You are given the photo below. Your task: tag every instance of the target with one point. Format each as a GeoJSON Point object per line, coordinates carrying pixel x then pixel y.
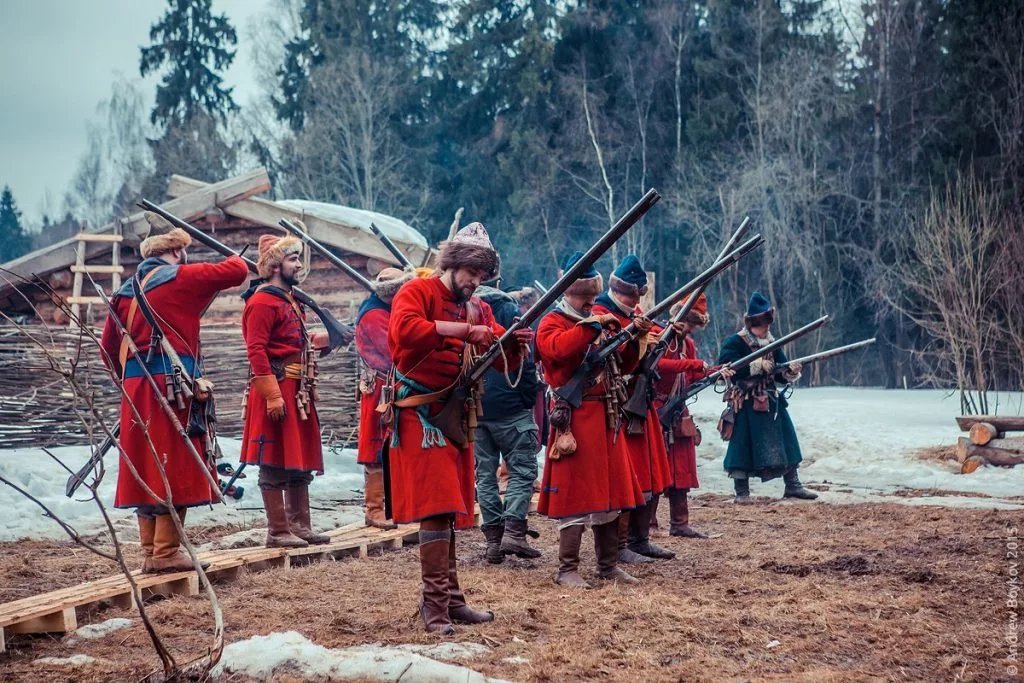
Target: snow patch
{"type": "Point", "coordinates": [280, 654]}
{"type": "Point", "coordinates": [448, 651]}
{"type": "Point", "coordinates": [396, 229]}
{"type": "Point", "coordinates": [73, 660]}
{"type": "Point", "coordinates": [93, 631]}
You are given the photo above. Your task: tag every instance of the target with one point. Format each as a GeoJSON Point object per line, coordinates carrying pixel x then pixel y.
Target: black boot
{"type": "Point", "coordinates": [627, 556]}
{"type": "Point", "coordinates": [639, 534]}
{"type": "Point", "coordinates": [494, 533]}
{"type": "Point", "coordinates": [514, 542]}
{"type": "Point", "coordinates": [742, 487]}
{"type": "Point", "coordinates": [794, 489]}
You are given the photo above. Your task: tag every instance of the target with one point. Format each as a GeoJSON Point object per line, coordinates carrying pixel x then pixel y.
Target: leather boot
{"type": "Point", "coordinates": [639, 535]}
{"type": "Point", "coordinates": [279, 535]}
{"type": "Point", "coordinates": [493, 533]}
{"type": "Point", "coordinates": [569, 540]}
{"type": "Point", "coordinates": [168, 555]}
{"type": "Point", "coordinates": [679, 515]}
{"type": "Point", "coordinates": [374, 488]}
{"type": "Point", "coordinates": [297, 503]}
{"type": "Point", "coordinates": [794, 489]}
{"type": "Point", "coordinates": [514, 542]}
{"type": "Point", "coordinates": [434, 574]}
{"type": "Point", "coordinates": [606, 546]}
{"type": "Point", "coordinates": [742, 488]}
{"type": "Point", "coordinates": [458, 611]}
{"type": "Point", "coordinates": [627, 556]}
{"type": "Point", "coordinates": [147, 528]}
{"type": "Point", "coordinates": [655, 527]}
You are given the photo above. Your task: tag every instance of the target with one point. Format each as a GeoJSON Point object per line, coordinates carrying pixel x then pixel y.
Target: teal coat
{"type": "Point", "coordinates": [763, 444]}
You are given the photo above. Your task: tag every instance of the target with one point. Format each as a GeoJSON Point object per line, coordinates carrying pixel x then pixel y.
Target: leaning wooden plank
{"type": "Point", "coordinates": [1002, 423]}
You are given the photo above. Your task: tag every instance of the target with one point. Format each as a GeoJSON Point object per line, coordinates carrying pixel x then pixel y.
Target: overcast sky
{"type": "Point", "coordinates": [58, 59]}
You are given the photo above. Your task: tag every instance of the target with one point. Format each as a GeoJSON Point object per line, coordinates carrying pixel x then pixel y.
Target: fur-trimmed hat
{"type": "Point", "coordinates": [527, 295]}
{"type": "Point", "coordinates": [589, 283]}
{"type": "Point", "coordinates": [759, 311]}
{"type": "Point", "coordinates": [274, 249]}
{"type": "Point", "coordinates": [390, 280]}
{"type": "Point", "coordinates": [163, 237]}
{"type": "Point", "coordinates": [698, 315]}
{"type": "Point", "coordinates": [629, 277]}
{"type": "Point", "coordinates": [470, 248]}
{"type": "Point", "coordinates": [423, 271]}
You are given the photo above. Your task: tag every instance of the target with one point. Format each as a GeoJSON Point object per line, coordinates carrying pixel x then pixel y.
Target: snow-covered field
{"type": "Point", "coordinates": [860, 442]}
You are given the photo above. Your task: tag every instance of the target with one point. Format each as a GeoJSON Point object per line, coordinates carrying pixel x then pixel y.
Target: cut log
{"type": "Point", "coordinates": [1013, 444]}
{"type": "Point", "coordinates": [1002, 423]}
{"type": "Point", "coordinates": [966, 452]}
{"type": "Point", "coordinates": [972, 463]}
{"type": "Point", "coordinates": [983, 432]}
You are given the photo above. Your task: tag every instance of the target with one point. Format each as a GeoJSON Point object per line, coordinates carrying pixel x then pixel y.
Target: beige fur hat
{"type": "Point", "coordinates": [273, 251]}
{"type": "Point", "coordinates": [390, 280]}
{"type": "Point", "coordinates": [470, 248]}
{"type": "Point", "coordinates": [163, 237]}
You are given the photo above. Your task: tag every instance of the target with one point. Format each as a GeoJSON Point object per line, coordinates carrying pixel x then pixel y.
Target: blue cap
{"type": "Point", "coordinates": [572, 259]}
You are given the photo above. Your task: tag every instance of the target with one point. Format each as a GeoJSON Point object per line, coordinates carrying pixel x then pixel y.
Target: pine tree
{"type": "Point", "coordinates": [195, 46]}
{"type": "Point", "coordinates": [13, 240]}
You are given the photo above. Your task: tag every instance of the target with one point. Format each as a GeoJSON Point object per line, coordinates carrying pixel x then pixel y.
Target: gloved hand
{"type": "Point", "coordinates": [606, 319]}
{"type": "Point", "coordinates": [643, 325]}
{"type": "Point", "coordinates": [320, 340]}
{"type": "Point", "coordinates": [792, 372]}
{"type": "Point", "coordinates": [679, 328]}
{"type": "Point", "coordinates": [270, 390]}
{"type": "Point", "coordinates": [481, 335]}
{"type": "Point", "coordinates": [727, 372]}
{"type": "Point", "coordinates": [524, 336]}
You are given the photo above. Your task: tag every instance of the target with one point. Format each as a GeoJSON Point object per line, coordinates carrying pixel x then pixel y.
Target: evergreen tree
{"type": "Point", "coordinates": [13, 240]}
{"type": "Point", "coordinates": [195, 47]}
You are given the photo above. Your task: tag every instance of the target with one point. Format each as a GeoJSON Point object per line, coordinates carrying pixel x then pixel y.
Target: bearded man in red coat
{"type": "Point", "coordinates": [177, 293]}
{"type": "Point", "coordinates": [375, 364]}
{"type": "Point", "coordinates": [436, 323]}
{"type": "Point", "coordinates": [282, 430]}
{"type": "Point", "coordinates": [588, 477]}
{"type": "Point", "coordinates": [646, 450]}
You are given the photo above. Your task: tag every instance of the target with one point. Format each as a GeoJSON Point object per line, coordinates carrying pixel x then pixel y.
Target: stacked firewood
{"type": "Point", "coordinates": [988, 442]}
{"type": "Point", "coordinates": [39, 408]}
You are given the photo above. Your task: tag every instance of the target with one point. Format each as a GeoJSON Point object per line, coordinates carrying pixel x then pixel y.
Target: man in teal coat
{"type": "Point", "coordinates": [763, 441]}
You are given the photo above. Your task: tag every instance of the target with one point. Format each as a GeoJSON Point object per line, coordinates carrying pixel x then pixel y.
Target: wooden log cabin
{"type": "Point", "coordinates": [232, 211]}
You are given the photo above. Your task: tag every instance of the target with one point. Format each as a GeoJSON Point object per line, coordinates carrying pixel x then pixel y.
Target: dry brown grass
{"type": "Point", "coordinates": [858, 592]}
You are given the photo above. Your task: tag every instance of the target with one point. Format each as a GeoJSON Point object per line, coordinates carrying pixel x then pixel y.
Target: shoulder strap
{"type": "Point", "coordinates": [132, 309]}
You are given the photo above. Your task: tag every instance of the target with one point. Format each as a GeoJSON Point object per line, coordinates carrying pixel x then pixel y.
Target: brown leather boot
{"type": "Point", "coordinates": [569, 540]}
{"type": "Point", "coordinates": [627, 556]}
{"type": "Point", "coordinates": [434, 574]}
{"type": "Point", "coordinates": [147, 528]}
{"type": "Point", "coordinates": [297, 503]}
{"type": "Point", "coordinates": [514, 542]}
{"type": "Point", "coordinates": [168, 555]}
{"type": "Point", "coordinates": [639, 535]}
{"type": "Point", "coordinates": [458, 610]}
{"type": "Point", "coordinates": [679, 515]}
{"type": "Point", "coordinates": [374, 493]}
{"type": "Point", "coordinates": [655, 527]}
{"type": "Point", "coordinates": [606, 545]}
{"type": "Point", "coordinates": [493, 533]}
{"type": "Point", "coordinates": [279, 535]}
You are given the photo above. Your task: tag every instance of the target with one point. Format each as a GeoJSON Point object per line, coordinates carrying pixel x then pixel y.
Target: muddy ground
{"type": "Point", "coordinates": [789, 592]}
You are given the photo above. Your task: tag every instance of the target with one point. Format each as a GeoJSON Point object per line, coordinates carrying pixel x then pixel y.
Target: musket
{"type": "Point", "coordinates": [825, 355]}
{"type": "Point", "coordinates": [540, 288]}
{"type": "Point", "coordinates": [450, 419]}
{"type": "Point", "coordinates": [326, 253]}
{"type": "Point", "coordinates": [399, 255]}
{"type": "Point", "coordinates": [572, 391]}
{"type": "Point", "coordinates": [676, 403]}
{"type": "Point", "coordinates": [338, 333]}
{"type": "Point", "coordinates": [635, 408]}
{"type": "Point", "coordinates": [78, 478]}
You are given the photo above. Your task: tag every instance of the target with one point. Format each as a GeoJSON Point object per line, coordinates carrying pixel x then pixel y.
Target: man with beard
{"type": "Point", "coordinates": [588, 478]}
{"type": "Point", "coordinates": [436, 324]}
{"type": "Point", "coordinates": [375, 364]}
{"type": "Point", "coordinates": [282, 430]}
{"type": "Point", "coordinates": [177, 293]}
{"type": "Point", "coordinates": [763, 442]}
{"type": "Point", "coordinates": [646, 450]}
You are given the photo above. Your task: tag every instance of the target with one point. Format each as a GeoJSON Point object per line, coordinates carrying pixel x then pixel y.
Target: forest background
{"type": "Point", "coordinates": [876, 145]}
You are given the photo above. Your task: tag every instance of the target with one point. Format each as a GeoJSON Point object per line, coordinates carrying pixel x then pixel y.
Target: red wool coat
{"type": "Point", "coordinates": [680, 365]}
{"type": "Point", "coordinates": [430, 480]}
{"type": "Point", "coordinates": [372, 345]}
{"type": "Point", "coordinates": [646, 450]}
{"type": "Point", "coordinates": [273, 331]}
{"type": "Point", "coordinates": [179, 303]}
{"type": "Point", "coordinates": [599, 476]}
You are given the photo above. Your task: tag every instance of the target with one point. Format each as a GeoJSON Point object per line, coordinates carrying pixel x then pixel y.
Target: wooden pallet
{"type": "Point", "coordinates": [58, 611]}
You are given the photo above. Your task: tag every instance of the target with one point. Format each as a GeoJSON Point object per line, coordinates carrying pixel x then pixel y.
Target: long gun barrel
{"type": "Point", "coordinates": [402, 259]}
{"type": "Point", "coordinates": [676, 403]}
{"type": "Point", "coordinates": [78, 478]}
{"type": "Point", "coordinates": [540, 288]}
{"type": "Point", "coordinates": [831, 353]}
{"type": "Point", "coordinates": [327, 254]}
{"type": "Point", "coordinates": [572, 391]}
{"type": "Point", "coordinates": [339, 333]}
